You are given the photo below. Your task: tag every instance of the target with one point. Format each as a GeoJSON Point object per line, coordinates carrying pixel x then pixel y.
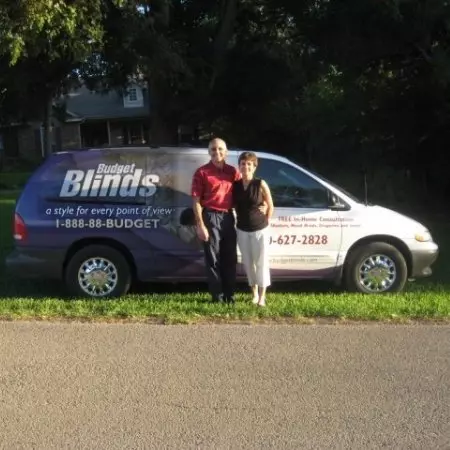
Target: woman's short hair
{"type": "Point", "coordinates": [248, 156]}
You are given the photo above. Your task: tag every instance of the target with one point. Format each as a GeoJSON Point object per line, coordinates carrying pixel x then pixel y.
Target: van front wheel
{"type": "Point", "coordinates": [98, 271]}
{"type": "Point", "coordinates": [376, 268]}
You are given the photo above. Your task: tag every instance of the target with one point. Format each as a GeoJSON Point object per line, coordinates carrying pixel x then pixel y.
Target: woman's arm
{"type": "Point", "coordinates": [267, 197]}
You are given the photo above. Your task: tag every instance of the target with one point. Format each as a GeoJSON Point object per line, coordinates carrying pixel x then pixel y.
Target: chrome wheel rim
{"type": "Point", "coordinates": [377, 273]}
{"type": "Point", "coordinates": [97, 276]}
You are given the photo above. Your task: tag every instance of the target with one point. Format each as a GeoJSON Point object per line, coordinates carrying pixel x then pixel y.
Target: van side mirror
{"type": "Point", "coordinates": [339, 206]}
{"type": "Point", "coordinates": [335, 203]}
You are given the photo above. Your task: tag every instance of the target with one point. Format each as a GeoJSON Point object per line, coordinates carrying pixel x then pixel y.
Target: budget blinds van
{"type": "Point", "coordinates": [100, 218]}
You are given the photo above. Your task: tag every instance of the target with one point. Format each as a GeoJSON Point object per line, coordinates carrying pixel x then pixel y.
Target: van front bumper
{"type": "Point", "coordinates": [423, 259]}
{"type": "Point", "coordinates": [45, 264]}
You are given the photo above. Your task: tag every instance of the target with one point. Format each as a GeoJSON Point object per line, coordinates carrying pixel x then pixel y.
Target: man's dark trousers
{"type": "Point", "coordinates": [220, 253]}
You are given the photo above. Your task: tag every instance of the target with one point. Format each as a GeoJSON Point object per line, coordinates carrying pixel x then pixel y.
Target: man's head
{"type": "Point", "coordinates": [217, 150]}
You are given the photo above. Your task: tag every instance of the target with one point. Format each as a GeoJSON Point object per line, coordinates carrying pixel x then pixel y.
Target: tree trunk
{"type": "Point", "coordinates": [163, 130]}
{"type": "Point", "coordinates": [226, 26]}
{"type": "Point", "coordinates": [48, 127]}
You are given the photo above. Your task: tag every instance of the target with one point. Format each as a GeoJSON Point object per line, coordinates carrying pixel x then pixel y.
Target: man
{"type": "Point", "coordinates": [213, 202]}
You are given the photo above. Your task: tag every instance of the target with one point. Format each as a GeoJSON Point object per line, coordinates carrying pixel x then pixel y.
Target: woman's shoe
{"type": "Point", "coordinates": [255, 300]}
{"type": "Point", "coordinates": [262, 301]}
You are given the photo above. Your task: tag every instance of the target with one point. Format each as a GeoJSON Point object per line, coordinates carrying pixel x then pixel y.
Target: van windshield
{"type": "Point", "coordinates": [348, 194]}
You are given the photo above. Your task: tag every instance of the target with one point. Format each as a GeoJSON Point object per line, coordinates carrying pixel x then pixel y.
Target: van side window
{"type": "Point", "coordinates": [291, 188]}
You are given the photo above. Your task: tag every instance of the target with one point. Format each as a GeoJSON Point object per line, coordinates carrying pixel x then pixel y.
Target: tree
{"type": "Point", "coordinates": [177, 47]}
{"type": "Point", "coordinates": [393, 61]}
{"type": "Point", "coordinates": [42, 43]}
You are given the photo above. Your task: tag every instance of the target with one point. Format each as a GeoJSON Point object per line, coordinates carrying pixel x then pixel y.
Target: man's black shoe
{"type": "Point", "coordinates": [230, 300]}
{"type": "Point", "coordinates": [218, 298]}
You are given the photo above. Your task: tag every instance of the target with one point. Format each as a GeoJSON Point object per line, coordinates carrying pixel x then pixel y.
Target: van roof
{"type": "Point", "coordinates": [166, 148]}
{"type": "Point", "coordinates": [134, 147]}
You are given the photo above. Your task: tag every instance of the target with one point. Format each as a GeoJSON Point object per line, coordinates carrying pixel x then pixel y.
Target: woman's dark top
{"type": "Point", "coordinates": [246, 203]}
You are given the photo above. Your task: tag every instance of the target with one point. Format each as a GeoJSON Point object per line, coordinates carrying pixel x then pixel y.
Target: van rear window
{"type": "Point", "coordinates": [119, 177]}
{"type": "Point", "coordinates": [86, 177]}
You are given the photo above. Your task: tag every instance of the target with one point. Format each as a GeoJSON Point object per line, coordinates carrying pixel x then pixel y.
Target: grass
{"type": "Point", "coordinates": [305, 302]}
{"type": "Point", "coordinates": [13, 180]}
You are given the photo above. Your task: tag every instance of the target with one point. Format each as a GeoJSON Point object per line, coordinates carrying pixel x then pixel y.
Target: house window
{"type": "Point", "coordinates": [133, 98]}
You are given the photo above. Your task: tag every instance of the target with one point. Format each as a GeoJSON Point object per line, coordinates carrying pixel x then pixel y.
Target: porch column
{"type": "Point", "coordinates": [80, 139]}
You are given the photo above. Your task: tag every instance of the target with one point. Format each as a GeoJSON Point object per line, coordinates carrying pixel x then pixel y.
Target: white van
{"type": "Point", "coordinates": [319, 230]}
{"type": "Point", "coordinates": [100, 218]}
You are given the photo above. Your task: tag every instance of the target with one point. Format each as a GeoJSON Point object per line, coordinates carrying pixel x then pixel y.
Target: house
{"type": "Point", "coordinates": [111, 118]}
{"type": "Point", "coordinates": [88, 119]}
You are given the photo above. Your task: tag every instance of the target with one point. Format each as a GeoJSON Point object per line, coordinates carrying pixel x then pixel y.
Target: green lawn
{"type": "Point", "coordinates": [188, 303]}
{"type": "Point", "coordinates": [13, 180]}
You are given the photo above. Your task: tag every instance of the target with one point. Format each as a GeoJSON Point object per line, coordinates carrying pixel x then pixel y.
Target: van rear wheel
{"type": "Point", "coordinates": [98, 271]}
{"type": "Point", "coordinates": [375, 268]}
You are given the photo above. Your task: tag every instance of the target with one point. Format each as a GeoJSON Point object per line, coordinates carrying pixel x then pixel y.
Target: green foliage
{"type": "Point", "coordinates": [55, 27]}
{"type": "Point", "coordinates": [365, 83]}
{"type": "Point", "coordinates": [42, 43]}
{"type": "Point", "coordinates": [13, 180]}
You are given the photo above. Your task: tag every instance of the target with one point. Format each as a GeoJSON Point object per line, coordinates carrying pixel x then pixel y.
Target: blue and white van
{"type": "Point", "coordinates": [100, 218]}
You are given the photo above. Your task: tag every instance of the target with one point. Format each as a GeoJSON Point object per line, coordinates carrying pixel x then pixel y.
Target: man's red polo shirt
{"type": "Point", "coordinates": [214, 186]}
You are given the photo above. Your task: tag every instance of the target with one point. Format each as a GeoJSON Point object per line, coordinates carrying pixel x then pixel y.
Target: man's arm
{"type": "Point", "coordinates": [202, 231]}
{"type": "Point", "coordinates": [198, 211]}
{"type": "Point", "coordinates": [197, 190]}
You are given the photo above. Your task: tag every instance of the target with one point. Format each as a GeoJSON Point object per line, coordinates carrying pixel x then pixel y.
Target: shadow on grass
{"type": "Point", "coordinates": [296, 287]}
{"type": "Point", "coordinates": [13, 287]}
{"type": "Point", "coordinates": [30, 289]}
{"type": "Point", "coordinates": [36, 289]}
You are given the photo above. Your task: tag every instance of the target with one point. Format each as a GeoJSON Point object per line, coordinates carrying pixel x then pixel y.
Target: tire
{"type": "Point", "coordinates": [368, 264]}
{"type": "Point", "coordinates": [112, 273]}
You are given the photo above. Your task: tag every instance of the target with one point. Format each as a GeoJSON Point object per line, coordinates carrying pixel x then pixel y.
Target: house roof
{"type": "Point", "coordinates": [86, 104]}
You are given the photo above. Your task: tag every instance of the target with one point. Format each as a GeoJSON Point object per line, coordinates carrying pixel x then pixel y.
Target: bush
{"type": "Point", "coordinates": [13, 180]}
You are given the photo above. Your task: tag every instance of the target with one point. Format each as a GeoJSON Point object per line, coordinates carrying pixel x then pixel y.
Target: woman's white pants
{"type": "Point", "coordinates": [254, 248]}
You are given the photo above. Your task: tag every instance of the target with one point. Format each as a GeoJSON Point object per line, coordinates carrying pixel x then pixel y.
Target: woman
{"type": "Point", "coordinates": [249, 193]}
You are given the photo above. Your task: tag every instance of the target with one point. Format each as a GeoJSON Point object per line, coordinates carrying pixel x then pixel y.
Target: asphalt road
{"type": "Point", "coordinates": [136, 386]}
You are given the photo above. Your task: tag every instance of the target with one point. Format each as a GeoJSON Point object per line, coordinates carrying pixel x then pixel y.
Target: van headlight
{"type": "Point", "coordinates": [423, 236]}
